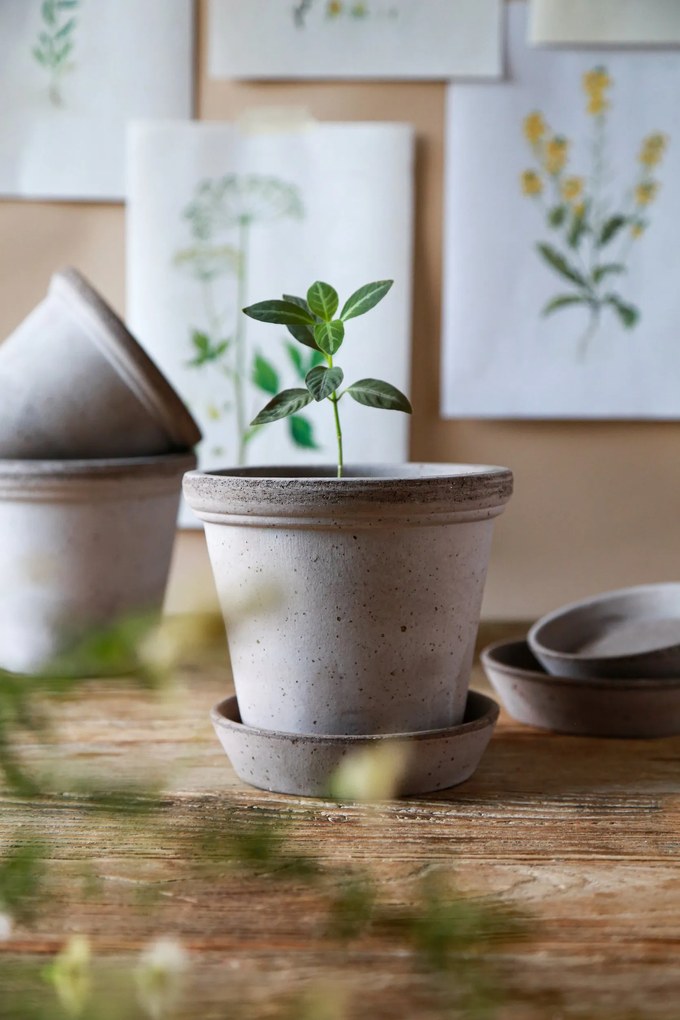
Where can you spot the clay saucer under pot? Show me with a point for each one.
(75, 383)
(304, 765)
(627, 707)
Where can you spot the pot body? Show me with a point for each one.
(82, 544)
(351, 606)
(76, 384)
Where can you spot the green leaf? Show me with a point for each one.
(376, 393)
(563, 301)
(611, 229)
(205, 350)
(296, 357)
(329, 336)
(66, 29)
(557, 216)
(303, 335)
(365, 298)
(611, 267)
(39, 56)
(302, 432)
(576, 231)
(265, 376)
(560, 264)
(284, 403)
(316, 358)
(283, 313)
(323, 300)
(49, 13)
(299, 301)
(628, 314)
(322, 381)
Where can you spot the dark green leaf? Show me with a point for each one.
(48, 12)
(563, 301)
(376, 393)
(559, 263)
(205, 350)
(329, 336)
(265, 375)
(557, 215)
(577, 230)
(611, 229)
(295, 355)
(302, 432)
(611, 267)
(322, 300)
(303, 335)
(322, 381)
(66, 29)
(628, 314)
(295, 300)
(283, 313)
(365, 298)
(284, 403)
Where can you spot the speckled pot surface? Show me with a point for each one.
(305, 765)
(75, 383)
(624, 707)
(81, 544)
(351, 604)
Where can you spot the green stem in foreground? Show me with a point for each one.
(338, 431)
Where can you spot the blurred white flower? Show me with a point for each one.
(160, 976)
(5, 927)
(371, 773)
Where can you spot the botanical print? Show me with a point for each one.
(562, 205)
(335, 10)
(593, 232)
(56, 42)
(221, 217)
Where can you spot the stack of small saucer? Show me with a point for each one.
(608, 666)
(94, 443)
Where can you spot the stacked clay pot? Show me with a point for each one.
(93, 446)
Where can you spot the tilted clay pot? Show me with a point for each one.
(352, 604)
(82, 544)
(75, 383)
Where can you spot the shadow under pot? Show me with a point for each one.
(351, 604)
(83, 544)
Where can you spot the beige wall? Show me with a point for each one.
(597, 505)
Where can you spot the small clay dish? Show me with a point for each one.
(591, 708)
(632, 632)
(305, 765)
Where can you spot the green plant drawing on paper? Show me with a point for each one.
(221, 217)
(56, 43)
(315, 323)
(593, 234)
(338, 10)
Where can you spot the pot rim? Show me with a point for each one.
(418, 490)
(117, 344)
(82, 481)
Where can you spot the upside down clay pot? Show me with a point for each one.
(351, 604)
(82, 543)
(75, 383)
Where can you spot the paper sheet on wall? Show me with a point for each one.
(602, 22)
(563, 204)
(355, 38)
(219, 218)
(72, 73)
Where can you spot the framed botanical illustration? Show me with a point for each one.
(73, 73)
(220, 218)
(563, 198)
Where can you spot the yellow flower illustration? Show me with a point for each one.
(572, 189)
(646, 192)
(637, 230)
(595, 84)
(359, 10)
(556, 152)
(333, 8)
(652, 150)
(535, 128)
(531, 183)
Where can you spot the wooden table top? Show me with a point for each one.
(581, 835)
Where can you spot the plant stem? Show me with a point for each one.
(590, 332)
(338, 432)
(240, 339)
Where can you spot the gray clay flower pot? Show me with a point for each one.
(82, 544)
(352, 604)
(75, 383)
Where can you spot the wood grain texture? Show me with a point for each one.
(581, 834)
